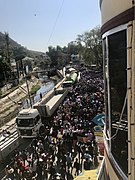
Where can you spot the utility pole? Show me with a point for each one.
(25, 76)
(28, 91)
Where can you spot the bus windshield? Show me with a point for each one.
(25, 122)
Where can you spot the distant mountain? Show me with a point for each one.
(14, 45)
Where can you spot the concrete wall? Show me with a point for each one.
(112, 8)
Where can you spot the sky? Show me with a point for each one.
(37, 24)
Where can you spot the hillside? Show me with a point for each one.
(14, 45)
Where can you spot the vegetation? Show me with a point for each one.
(59, 56)
(90, 46)
(9, 50)
(87, 46)
(34, 89)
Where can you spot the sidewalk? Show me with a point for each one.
(86, 175)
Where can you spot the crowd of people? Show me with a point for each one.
(67, 144)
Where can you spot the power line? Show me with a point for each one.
(55, 22)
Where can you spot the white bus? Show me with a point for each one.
(28, 123)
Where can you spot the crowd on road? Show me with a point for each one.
(67, 144)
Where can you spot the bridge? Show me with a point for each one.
(45, 70)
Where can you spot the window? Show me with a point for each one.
(105, 62)
(24, 122)
(117, 64)
(115, 80)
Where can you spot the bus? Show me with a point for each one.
(28, 123)
(70, 80)
(73, 77)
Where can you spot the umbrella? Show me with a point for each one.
(87, 156)
(99, 119)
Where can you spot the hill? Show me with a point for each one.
(13, 45)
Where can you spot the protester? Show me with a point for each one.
(77, 167)
(67, 144)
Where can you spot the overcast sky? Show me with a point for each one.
(37, 24)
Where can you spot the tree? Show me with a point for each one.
(58, 48)
(7, 54)
(91, 46)
(53, 54)
(73, 48)
(19, 54)
(87, 45)
(4, 69)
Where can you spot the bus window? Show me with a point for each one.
(118, 88)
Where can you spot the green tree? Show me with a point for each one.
(7, 51)
(19, 53)
(4, 69)
(59, 56)
(7, 55)
(91, 46)
(53, 54)
(73, 48)
(65, 50)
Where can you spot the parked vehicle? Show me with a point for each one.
(70, 80)
(28, 123)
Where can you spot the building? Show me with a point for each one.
(118, 35)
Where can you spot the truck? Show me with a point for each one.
(30, 121)
(47, 107)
